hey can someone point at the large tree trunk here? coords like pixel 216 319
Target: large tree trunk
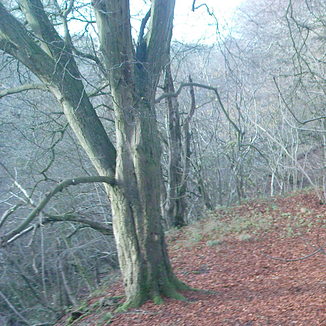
pixel 137 225
pixel 137 219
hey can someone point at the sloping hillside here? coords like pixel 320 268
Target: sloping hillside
pixel 252 262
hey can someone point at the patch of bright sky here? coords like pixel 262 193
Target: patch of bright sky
pixel 198 26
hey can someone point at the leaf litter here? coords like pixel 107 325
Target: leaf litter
pixel 260 263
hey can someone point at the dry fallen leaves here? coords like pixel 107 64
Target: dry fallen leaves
pixel 247 287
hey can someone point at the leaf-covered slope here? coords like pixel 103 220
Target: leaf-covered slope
pixel 250 258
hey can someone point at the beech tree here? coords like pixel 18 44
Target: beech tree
pixel 131 166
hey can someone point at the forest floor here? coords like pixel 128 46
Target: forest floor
pixel 253 261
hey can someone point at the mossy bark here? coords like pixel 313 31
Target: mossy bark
pixel 137 223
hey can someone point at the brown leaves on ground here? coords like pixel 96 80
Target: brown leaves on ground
pixel 239 256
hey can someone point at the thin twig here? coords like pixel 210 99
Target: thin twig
pixel 322 250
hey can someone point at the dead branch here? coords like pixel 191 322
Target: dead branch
pixel 37 210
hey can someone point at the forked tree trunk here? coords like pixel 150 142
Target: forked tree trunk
pixel 134 75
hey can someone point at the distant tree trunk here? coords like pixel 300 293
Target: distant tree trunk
pixel 135 162
pixel 179 140
pixel 176 186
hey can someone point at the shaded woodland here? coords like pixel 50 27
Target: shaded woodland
pixel 239 119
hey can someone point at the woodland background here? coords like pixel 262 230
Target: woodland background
pixel 268 138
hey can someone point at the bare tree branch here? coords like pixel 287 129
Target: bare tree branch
pixel 22 88
pixel 194 7
pixel 288 107
pixel 7 213
pixel 99 90
pixel 214 89
pixel 105 229
pixel 36 211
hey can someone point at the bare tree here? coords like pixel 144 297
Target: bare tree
pixel 133 164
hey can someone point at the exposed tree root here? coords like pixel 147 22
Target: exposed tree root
pixel 170 289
